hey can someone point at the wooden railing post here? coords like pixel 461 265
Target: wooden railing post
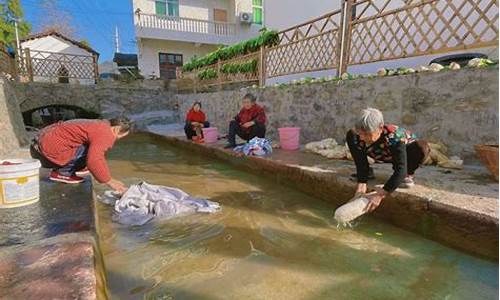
pixel 195 83
pixel 96 68
pixel 178 72
pixel 219 75
pixel 15 73
pixel 344 39
pixel 29 67
pixel 262 66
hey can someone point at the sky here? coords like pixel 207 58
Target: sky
pixel 95 21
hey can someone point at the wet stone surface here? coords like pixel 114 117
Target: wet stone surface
pixel 54 269
pixel 47 248
pixel 61 209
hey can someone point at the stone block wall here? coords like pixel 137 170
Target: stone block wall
pixel 459 108
pixel 144 101
pixel 12 132
pixel 107 99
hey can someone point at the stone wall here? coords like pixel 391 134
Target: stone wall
pixel 12 132
pixel 107 98
pixel 145 102
pixel 459 108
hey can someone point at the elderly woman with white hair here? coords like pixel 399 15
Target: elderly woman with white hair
pixel 384 143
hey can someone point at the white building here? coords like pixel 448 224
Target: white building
pixel 57 58
pixel 170 32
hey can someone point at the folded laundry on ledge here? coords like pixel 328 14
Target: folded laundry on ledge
pixel 438 156
pixel 329 148
pixel 255 147
pixel 142 202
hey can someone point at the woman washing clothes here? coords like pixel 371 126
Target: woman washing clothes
pixel 384 143
pixel 195 121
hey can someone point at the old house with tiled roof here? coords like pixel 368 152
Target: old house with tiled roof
pixel 57 58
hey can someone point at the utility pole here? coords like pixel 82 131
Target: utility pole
pixel 18 47
pixel 15 20
pixel 117 41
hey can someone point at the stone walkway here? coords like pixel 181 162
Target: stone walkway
pixel 454 207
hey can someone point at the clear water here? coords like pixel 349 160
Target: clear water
pixel 269 242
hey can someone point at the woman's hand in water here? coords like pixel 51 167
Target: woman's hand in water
pixel 360 189
pixel 118 186
pixel 375 200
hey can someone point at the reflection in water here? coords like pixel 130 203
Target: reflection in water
pixel 268 242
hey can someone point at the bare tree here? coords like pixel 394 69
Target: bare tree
pixel 53 18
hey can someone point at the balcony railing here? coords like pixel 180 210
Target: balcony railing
pixel 185 24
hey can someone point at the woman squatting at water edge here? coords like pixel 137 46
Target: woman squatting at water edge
pixel 250 122
pixel 195 121
pixel 384 143
pixel 76 147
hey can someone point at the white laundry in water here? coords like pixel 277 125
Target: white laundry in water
pixel 352 210
pixel 143 202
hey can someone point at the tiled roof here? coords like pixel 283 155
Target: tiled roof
pixel 55 33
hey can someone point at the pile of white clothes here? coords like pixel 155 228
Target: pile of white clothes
pixel 143 202
pixel 329 148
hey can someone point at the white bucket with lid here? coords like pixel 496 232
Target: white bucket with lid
pixel 19 182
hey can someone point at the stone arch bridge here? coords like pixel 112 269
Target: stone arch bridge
pixel 107 99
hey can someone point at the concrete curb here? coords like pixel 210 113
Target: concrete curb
pixel 458 228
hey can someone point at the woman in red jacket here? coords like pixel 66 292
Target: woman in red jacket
pixel 195 121
pixel 249 123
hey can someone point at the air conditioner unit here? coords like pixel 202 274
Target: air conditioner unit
pixel 246 17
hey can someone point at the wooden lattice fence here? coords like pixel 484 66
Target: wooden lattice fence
pixel 54 65
pixel 311 46
pixel 392 29
pixel 7 64
pixel 366 31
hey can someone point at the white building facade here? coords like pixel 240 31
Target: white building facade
pixel 171 32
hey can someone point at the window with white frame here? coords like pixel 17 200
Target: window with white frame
pixel 167 8
pixel 257 11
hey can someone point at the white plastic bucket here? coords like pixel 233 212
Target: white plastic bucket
pixel 19 182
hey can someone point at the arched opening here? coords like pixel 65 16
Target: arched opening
pixel 63 75
pixel 46 115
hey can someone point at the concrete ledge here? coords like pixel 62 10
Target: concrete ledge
pixel 56 268
pixel 462 212
pixel 49 250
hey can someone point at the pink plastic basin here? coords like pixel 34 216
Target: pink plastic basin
pixel 289 138
pixel 210 135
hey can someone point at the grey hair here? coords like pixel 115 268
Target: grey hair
pixel 370 120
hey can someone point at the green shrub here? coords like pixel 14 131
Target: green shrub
pixel 266 38
pixel 246 67
pixel 207 74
